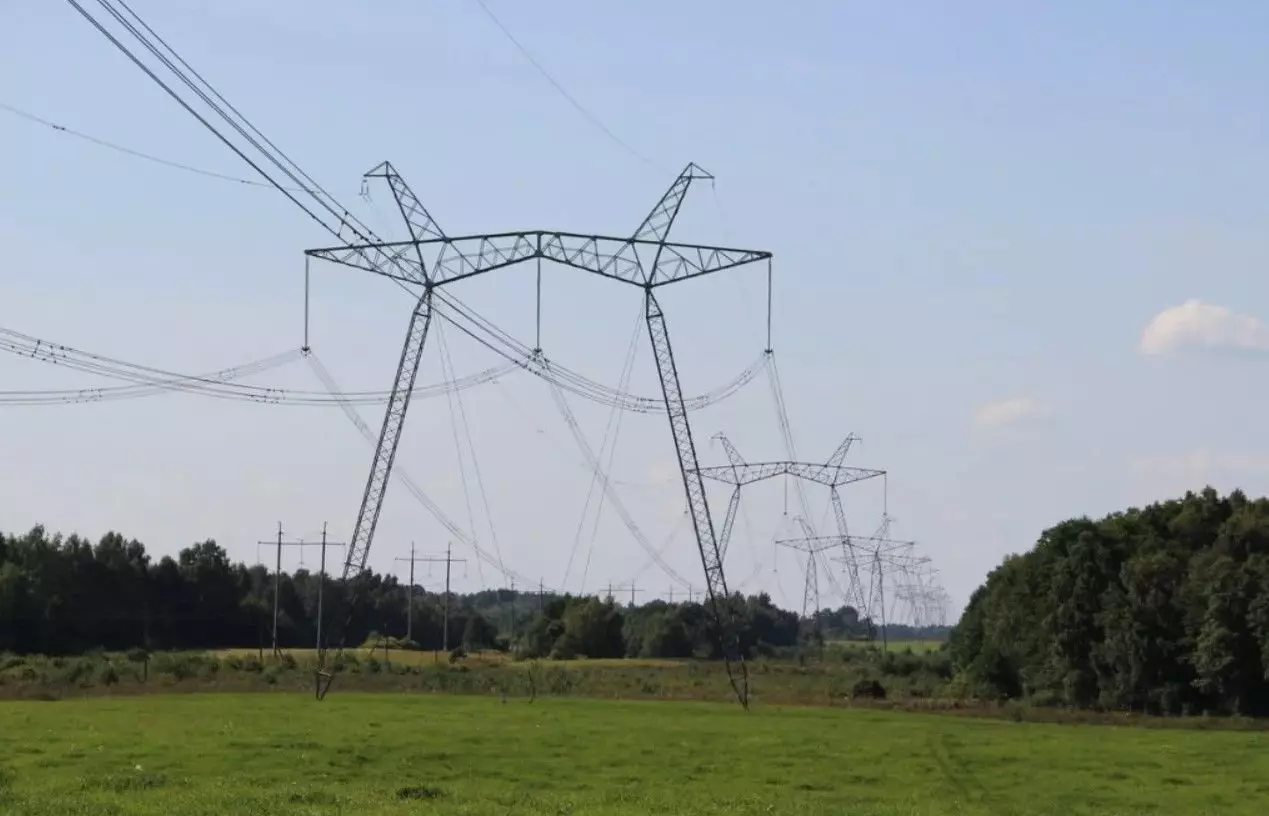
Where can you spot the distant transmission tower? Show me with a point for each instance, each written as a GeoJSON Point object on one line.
{"type": "Point", "coordinates": [833, 474]}
{"type": "Point", "coordinates": [877, 557]}
{"type": "Point", "coordinates": [814, 548]}
{"type": "Point", "coordinates": [431, 260]}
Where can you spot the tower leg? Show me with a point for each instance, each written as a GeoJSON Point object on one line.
{"type": "Point", "coordinates": [729, 521]}
{"type": "Point", "coordinates": [698, 506]}
{"type": "Point", "coordinates": [380, 469]}
{"type": "Point", "coordinates": [856, 591]}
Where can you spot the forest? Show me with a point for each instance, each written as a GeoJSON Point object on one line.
{"type": "Point", "coordinates": [67, 595]}
{"type": "Point", "coordinates": [1162, 609]}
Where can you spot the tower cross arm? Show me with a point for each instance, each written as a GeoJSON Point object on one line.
{"type": "Point", "coordinates": [758, 471]}
{"type": "Point", "coordinates": [391, 260]}
{"type": "Point", "coordinates": [832, 476]}
{"type": "Point", "coordinates": [870, 543]}
{"type": "Point", "coordinates": [629, 260]}
{"type": "Point", "coordinates": [745, 473]}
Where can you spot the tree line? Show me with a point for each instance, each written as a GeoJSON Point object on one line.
{"type": "Point", "coordinates": [66, 595]}
{"type": "Point", "coordinates": [1162, 609]}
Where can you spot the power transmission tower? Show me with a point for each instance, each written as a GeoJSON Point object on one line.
{"type": "Point", "coordinates": [833, 474]}
{"type": "Point", "coordinates": [814, 547]}
{"type": "Point", "coordinates": [278, 544]}
{"type": "Point", "coordinates": [431, 260]}
{"type": "Point", "coordinates": [448, 560]}
{"type": "Point", "coordinates": [879, 556]}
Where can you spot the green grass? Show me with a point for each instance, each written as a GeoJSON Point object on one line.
{"type": "Point", "coordinates": [284, 753]}
{"type": "Point", "coordinates": [897, 646]}
{"type": "Point", "coordinates": [481, 659]}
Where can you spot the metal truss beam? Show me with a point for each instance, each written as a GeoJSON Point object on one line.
{"type": "Point", "coordinates": [759, 471]}
{"type": "Point", "coordinates": [831, 473]}
{"type": "Point", "coordinates": [637, 262]}
{"type": "Point", "coordinates": [887, 547]}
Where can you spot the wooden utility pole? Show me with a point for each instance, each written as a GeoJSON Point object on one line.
{"type": "Point", "coordinates": [449, 560]}
{"type": "Point", "coordinates": [513, 610]}
{"type": "Point", "coordinates": [277, 577]}
{"type": "Point", "coordinates": [277, 583]}
{"type": "Point", "coordinates": [632, 588]}
{"type": "Point", "coordinates": [321, 583]}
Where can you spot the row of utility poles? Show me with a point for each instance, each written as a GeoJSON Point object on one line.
{"type": "Point", "coordinates": [277, 577]}
{"type": "Point", "coordinates": [280, 542]}
{"type": "Point", "coordinates": [448, 559]}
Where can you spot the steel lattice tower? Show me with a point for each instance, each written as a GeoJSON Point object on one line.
{"type": "Point", "coordinates": [833, 474]}
{"type": "Point", "coordinates": [877, 555]}
{"type": "Point", "coordinates": [431, 259]}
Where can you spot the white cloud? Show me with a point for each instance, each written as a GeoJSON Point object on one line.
{"type": "Point", "coordinates": [1195, 324]}
{"type": "Point", "coordinates": [1006, 412]}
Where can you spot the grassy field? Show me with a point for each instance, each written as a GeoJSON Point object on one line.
{"type": "Point", "coordinates": [481, 659]}
{"type": "Point", "coordinates": [914, 646]}
{"type": "Point", "coordinates": [909, 679]}
{"type": "Point", "coordinates": [284, 753]}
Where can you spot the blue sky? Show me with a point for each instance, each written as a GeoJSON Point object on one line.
{"type": "Point", "coordinates": [976, 213]}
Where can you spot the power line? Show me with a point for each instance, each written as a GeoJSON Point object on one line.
{"type": "Point", "coordinates": [139, 154]}
{"type": "Point", "coordinates": [572, 100]}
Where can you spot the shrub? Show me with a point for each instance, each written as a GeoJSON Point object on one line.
{"type": "Point", "coordinates": [81, 670]}
{"type": "Point", "coordinates": [108, 675]}
{"type": "Point", "coordinates": [868, 690]}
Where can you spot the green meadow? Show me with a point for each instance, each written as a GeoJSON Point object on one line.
{"type": "Point", "coordinates": [285, 753]}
